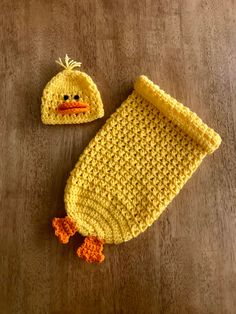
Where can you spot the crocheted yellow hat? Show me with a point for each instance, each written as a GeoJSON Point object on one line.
{"type": "Point", "coordinates": [71, 97]}
{"type": "Point", "coordinates": [136, 164]}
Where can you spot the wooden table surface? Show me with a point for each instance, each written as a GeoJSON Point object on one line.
{"type": "Point", "coordinates": [184, 263]}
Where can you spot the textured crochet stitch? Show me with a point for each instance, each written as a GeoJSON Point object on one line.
{"type": "Point", "coordinates": [71, 97]}
{"type": "Point", "coordinates": [135, 165]}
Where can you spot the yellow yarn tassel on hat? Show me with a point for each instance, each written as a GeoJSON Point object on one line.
{"type": "Point", "coordinates": [135, 165]}
{"type": "Point", "coordinates": [71, 97]}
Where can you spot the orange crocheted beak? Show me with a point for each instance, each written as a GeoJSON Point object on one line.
{"type": "Point", "coordinates": [73, 107]}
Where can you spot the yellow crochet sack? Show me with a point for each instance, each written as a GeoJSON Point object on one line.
{"type": "Point", "coordinates": [71, 97]}
{"type": "Point", "coordinates": [132, 169]}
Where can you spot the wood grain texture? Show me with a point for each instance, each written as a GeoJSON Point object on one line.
{"type": "Point", "coordinates": [184, 263]}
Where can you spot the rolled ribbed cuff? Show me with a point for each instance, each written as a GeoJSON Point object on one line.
{"type": "Point", "coordinates": [181, 115]}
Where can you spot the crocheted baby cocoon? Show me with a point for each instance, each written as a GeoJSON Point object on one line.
{"type": "Point", "coordinates": [136, 164]}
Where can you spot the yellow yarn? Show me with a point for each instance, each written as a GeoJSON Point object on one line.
{"type": "Point", "coordinates": [70, 82]}
{"type": "Point", "coordinates": [136, 164]}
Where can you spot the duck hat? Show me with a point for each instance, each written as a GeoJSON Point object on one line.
{"type": "Point", "coordinates": [71, 97]}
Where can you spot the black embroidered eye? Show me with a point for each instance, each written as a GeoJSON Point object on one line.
{"type": "Point", "coordinates": [76, 97]}
{"type": "Point", "coordinates": [66, 97]}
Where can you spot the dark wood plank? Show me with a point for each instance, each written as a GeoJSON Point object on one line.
{"type": "Point", "coordinates": [184, 263]}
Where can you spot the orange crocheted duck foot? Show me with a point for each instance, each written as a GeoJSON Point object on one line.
{"type": "Point", "coordinates": [91, 250]}
{"type": "Point", "coordinates": [64, 228]}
